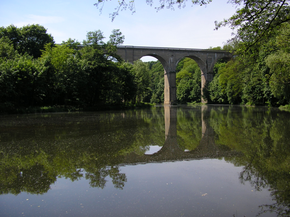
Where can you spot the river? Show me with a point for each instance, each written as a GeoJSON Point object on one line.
{"type": "Point", "coordinates": [163, 161]}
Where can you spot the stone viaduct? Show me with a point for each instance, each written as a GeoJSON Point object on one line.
{"type": "Point", "coordinates": [169, 58]}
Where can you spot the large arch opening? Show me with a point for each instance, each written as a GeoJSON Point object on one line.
{"type": "Point", "coordinates": [168, 95]}
{"type": "Point", "coordinates": [188, 80]}
{"type": "Point", "coordinates": [149, 76]}
{"type": "Point", "coordinates": [148, 59]}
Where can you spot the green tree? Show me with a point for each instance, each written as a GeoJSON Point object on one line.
{"type": "Point", "coordinates": [94, 38]}
{"type": "Point", "coordinates": [29, 39]}
{"type": "Point", "coordinates": [230, 81]}
{"type": "Point", "coordinates": [20, 81]}
{"type": "Point", "coordinates": [6, 49]}
{"type": "Point", "coordinates": [279, 65]}
{"type": "Point", "coordinates": [184, 89]}
{"type": "Point", "coordinates": [142, 80]}
{"type": "Point", "coordinates": [105, 80]}
{"type": "Point", "coordinates": [67, 72]}
{"type": "Point", "coordinates": [188, 81]}
{"type": "Point", "coordinates": [128, 87]}
{"type": "Point", "coordinates": [72, 43]}
{"type": "Point", "coordinates": [116, 38]}
{"type": "Point", "coordinates": [12, 33]}
{"type": "Point", "coordinates": [156, 72]}
{"type": "Point", "coordinates": [33, 39]}
{"type": "Point", "coordinates": [214, 91]}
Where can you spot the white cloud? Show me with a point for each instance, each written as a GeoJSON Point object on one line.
{"type": "Point", "coordinates": [37, 19]}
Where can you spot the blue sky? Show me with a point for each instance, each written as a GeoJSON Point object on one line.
{"type": "Point", "coordinates": [190, 27]}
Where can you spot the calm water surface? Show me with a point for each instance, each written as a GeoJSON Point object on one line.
{"type": "Point", "coordinates": [164, 161]}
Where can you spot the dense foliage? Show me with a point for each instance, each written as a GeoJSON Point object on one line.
{"type": "Point", "coordinates": [259, 77]}
{"type": "Point", "coordinates": [45, 74]}
{"type": "Point", "coordinates": [29, 39]}
{"type": "Point", "coordinates": [188, 81]}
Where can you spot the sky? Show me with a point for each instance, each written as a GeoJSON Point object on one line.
{"type": "Point", "coordinates": [189, 27]}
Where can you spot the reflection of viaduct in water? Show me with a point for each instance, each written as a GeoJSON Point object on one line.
{"type": "Point", "coordinates": [172, 152]}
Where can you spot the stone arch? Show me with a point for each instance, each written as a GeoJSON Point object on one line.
{"type": "Point", "coordinates": [169, 58]}
{"type": "Point", "coordinates": [169, 64]}
{"type": "Point", "coordinates": [158, 57]}
{"type": "Point", "coordinates": [169, 74]}
{"type": "Point", "coordinates": [203, 69]}
{"type": "Point", "coordinates": [200, 62]}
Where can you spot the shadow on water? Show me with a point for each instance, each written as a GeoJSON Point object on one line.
{"type": "Point", "coordinates": [36, 150]}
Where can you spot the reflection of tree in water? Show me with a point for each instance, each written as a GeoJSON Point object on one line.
{"type": "Point", "coordinates": [33, 154]}
{"type": "Point", "coordinates": [189, 128]}
{"type": "Point", "coordinates": [34, 180]}
{"type": "Point", "coordinates": [276, 182]}
{"type": "Point", "coordinates": [93, 148]}
{"type": "Point", "coordinates": [269, 173]}
{"type": "Point", "coordinates": [97, 177]}
{"type": "Point", "coordinates": [263, 137]}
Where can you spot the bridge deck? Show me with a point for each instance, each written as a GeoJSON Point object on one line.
{"type": "Point", "coordinates": [170, 48]}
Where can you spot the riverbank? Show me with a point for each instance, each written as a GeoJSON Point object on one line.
{"type": "Point", "coordinates": [285, 108]}
{"type": "Point", "coordinates": [66, 108]}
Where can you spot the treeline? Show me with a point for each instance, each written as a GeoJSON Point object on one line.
{"type": "Point", "coordinates": [259, 77]}
{"type": "Point", "coordinates": [35, 72]}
